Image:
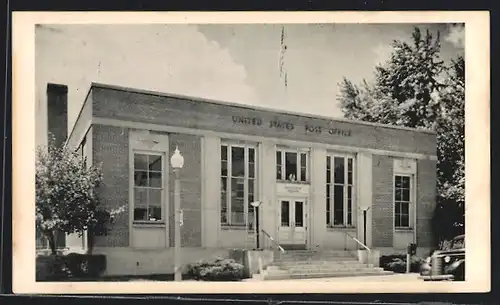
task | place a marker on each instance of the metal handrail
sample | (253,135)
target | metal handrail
(273,241)
(359,242)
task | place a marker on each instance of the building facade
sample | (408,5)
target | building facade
(317,179)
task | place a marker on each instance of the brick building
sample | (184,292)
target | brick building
(314,177)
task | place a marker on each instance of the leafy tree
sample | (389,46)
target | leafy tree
(415,88)
(66,197)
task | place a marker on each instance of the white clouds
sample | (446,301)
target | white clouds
(174,59)
(456,35)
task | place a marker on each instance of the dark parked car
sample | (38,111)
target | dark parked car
(447,263)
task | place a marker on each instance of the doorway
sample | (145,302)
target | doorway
(292,231)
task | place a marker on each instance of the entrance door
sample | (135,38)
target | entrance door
(292,219)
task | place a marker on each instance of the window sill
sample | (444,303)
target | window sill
(340,227)
(235,227)
(148,224)
(402,229)
(293,182)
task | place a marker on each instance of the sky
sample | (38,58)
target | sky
(234,63)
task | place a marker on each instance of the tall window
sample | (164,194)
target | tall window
(148,187)
(237,184)
(402,201)
(291,166)
(339,190)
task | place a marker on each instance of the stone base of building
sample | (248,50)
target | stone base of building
(129,261)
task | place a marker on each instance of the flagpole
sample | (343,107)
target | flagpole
(283,74)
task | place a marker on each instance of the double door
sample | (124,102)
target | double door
(292,221)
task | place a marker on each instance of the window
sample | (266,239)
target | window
(402,188)
(148,187)
(83,147)
(291,166)
(238,184)
(339,190)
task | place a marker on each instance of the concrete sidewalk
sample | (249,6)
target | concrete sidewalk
(397,277)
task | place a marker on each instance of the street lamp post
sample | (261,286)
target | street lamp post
(177,161)
(255,205)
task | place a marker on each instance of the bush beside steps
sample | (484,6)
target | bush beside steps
(397,263)
(222,269)
(73,265)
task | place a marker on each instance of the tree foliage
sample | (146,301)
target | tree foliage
(66,196)
(415,88)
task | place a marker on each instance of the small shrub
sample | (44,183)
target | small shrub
(397,263)
(222,269)
(85,265)
(73,265)
(51,268)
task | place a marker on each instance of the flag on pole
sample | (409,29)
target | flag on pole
(283,47)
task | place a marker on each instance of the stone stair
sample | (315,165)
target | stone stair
(303,264)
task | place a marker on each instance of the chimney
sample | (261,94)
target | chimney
(57,112)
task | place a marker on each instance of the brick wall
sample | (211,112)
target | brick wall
(426,201)
(190,147)
(111,152)
(382,208)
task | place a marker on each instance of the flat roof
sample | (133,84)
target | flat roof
(250,107)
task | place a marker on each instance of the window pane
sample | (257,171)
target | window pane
(303,176)
(251,155)
(299,214)
(349,178)
(397,221)
(251,170)
(398,208)
(339,170)
(328,161)
(285,214)
(404,208)
(278,158)
(406,195)
(303,159)
(278,172)
(291,166)
(405,182)
(349,192)
(338,204)
(140,196)
(223,200)
(155,163)
(328,176)
(223,155)
(237,218)
(349,164)
(140,178)
(154,197)
(397,181)
(155,179)
(140,162)
(154,213)
(328,193)
(397,194)
(328,217)
(250,200)
(238,161)
(251,184)
(140,213)
(223,170)
(237,211)
(404,220)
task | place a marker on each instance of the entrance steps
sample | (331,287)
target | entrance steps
(304,264)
